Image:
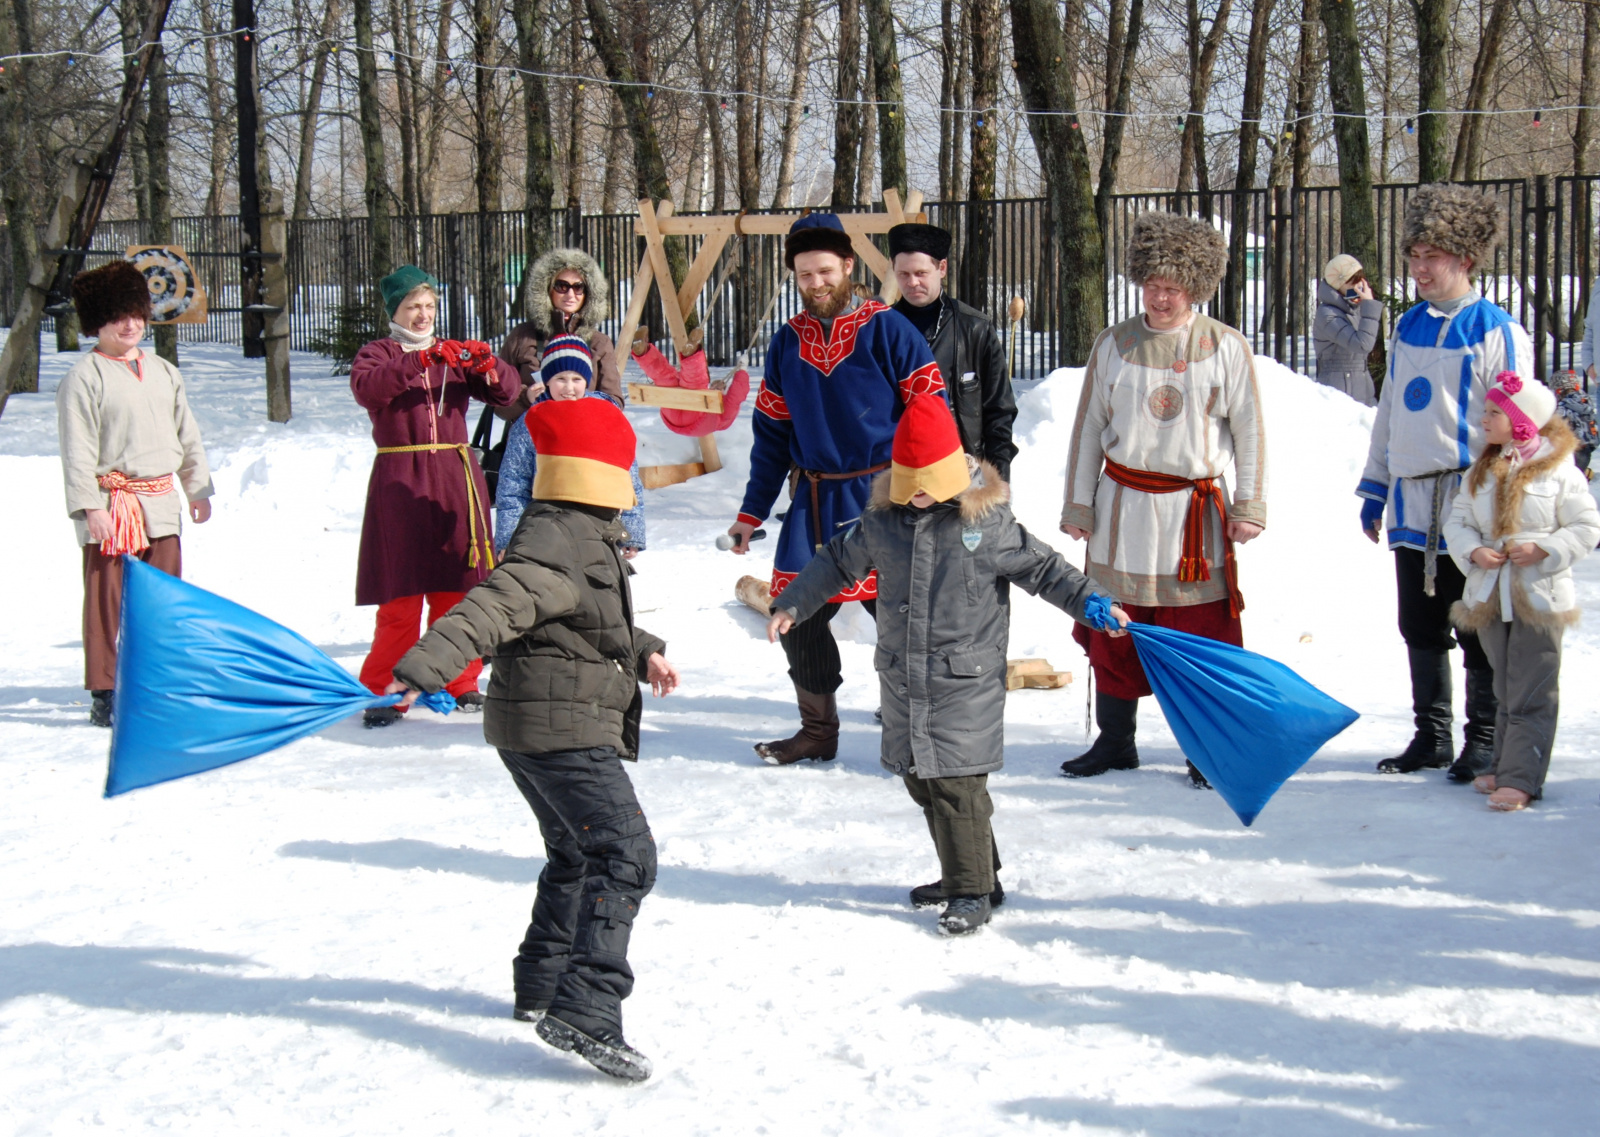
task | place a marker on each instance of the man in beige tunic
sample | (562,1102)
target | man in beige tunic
(128,441)
(1169,402)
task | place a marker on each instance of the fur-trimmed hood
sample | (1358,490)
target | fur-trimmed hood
(1457,219)
(1509,491)
(1190,253)
(596,309)
(987,491)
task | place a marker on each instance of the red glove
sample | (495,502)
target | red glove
(480,357)
(446,353)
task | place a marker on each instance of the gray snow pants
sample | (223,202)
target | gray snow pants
(1527,669)
(600,863)
(958,812)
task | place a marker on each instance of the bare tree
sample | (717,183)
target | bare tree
(890,94)
(1202,62)
(847,108)
(987,28)
(1119,96)
(313,109)
(376,183)
(1357,224)
(1588,87)
(21,215)
(794,114)
(1249,142)
(538,178)
(1434,19)
(1468,162)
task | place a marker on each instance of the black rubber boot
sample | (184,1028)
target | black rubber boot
(607,1051)
(381,716)
(1114,749)
(1196,778)
(1477,753)
(964,915)
(100,708)
(1430,705)
(470,703)
(819,732)
(932,895)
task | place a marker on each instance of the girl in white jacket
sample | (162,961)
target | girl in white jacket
(1523,518)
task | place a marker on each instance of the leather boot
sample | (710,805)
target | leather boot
(1430,706)
(819,732)
(1114,749)
(1477,752)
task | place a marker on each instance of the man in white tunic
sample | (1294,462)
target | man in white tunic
(1443,359)
(1169,403)
(128,443)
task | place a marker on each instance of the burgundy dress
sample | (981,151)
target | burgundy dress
(417,533)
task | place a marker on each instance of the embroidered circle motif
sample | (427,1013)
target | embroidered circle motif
(1419,393)
(1166,402)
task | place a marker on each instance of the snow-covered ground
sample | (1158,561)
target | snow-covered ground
(319,940)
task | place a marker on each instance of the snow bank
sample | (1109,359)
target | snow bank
(318,940)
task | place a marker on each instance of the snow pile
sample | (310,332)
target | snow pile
(319,940)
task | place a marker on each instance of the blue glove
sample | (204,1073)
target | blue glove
(439,702)
(1097,613)
(1371,514)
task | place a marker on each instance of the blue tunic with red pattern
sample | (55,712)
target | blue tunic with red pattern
(830,405)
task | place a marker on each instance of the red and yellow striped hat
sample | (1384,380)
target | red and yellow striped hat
(585,448)
(927,455)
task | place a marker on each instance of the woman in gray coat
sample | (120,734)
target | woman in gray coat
(1346,328)
(946,548)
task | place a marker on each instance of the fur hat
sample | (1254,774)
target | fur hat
(1528,405)
(585,448)
(1457,219)
(1338,271)
(1191,254)
(108,293)
(912,237)
(816,232)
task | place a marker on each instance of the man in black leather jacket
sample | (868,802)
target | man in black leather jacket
(964,341)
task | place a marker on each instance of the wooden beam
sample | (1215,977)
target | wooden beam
(657,253)
(708,401)
(709,458)
(636,302)
(659,477)
(699,272)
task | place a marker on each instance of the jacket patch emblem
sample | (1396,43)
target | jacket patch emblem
(972,538)
(1166,402)
(1418,394)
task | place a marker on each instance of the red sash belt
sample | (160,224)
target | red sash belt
(127,519)
(1192,565)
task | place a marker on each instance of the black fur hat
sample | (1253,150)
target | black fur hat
(108,293)
(817,232)
(914,237)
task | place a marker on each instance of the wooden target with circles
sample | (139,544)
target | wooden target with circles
(176,294)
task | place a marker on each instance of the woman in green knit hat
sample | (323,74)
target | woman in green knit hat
(426,534)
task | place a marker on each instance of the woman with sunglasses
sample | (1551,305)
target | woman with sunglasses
(567,296)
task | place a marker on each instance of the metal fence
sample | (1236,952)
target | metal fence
(1542,273)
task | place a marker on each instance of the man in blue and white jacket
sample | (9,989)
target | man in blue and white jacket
(1443,359)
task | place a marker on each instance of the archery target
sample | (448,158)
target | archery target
(176,295)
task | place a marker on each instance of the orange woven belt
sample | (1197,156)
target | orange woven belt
(127,519)
(1192,565)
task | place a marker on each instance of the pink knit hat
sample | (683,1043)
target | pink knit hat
(1528,405)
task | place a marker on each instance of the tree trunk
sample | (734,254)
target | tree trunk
(428,181)
(1588,88)
(216,109)
(489,153)
(1064,159)
(575,137)
(1116,35)
(747,137)
(1202,62)
(1121,97)
(1255,76)
(15,187)
(616,158)
(948,122)
(804,22)
(1347,93)
(404,88)
(713,105)
(1310,62)
(538,182)
(1468,162)
(308,125)
(157,138)
(138,149)
(376,187)
(649,167)
(846,108)
(867,160)
(978,250)
(1434,18)
(890,93)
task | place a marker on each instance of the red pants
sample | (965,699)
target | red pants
(1116,661)
(102,605)
(399,628)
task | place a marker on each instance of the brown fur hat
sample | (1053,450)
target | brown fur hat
(108,293)
(1457,219)
(1189,253)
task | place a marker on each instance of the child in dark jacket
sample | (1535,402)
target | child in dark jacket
(563,709)
(945,547)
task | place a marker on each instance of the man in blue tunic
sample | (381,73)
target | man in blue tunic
(1444,357)
(837,378)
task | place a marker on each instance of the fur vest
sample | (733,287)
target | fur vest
(1545,500)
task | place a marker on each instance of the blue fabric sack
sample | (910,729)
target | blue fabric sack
(203,682)
(1248,722)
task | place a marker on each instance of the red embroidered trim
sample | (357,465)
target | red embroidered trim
(746,519)
(772,405)
(817,350)
(866,590)
(925,380)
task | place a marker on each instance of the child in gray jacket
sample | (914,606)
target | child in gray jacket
(945,547)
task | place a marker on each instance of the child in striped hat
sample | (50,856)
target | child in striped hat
(567,371)
(945,545)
